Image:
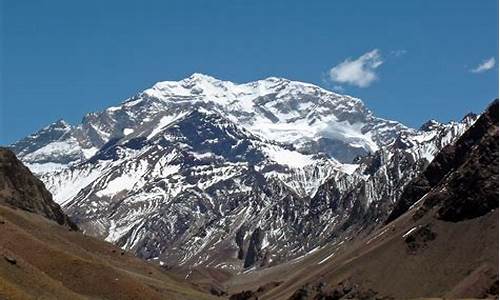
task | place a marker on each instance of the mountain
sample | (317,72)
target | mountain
(44,256)
(204,172)
(441,240)
(314,119)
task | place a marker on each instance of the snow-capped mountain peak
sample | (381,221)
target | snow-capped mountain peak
(189,169)
(282,110)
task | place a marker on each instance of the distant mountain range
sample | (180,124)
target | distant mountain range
(208,173)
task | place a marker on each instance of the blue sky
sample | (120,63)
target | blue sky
(408,60)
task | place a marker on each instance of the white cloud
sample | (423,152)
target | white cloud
(359,72)
(484,66)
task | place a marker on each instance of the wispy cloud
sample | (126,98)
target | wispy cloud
(485,66)
(398,52)
(359,72)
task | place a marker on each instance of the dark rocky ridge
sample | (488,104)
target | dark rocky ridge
(21,189)
(463,177)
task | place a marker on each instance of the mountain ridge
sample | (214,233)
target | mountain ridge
(239,99)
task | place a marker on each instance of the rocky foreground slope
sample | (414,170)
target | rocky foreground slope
(43,256)
(19,188)
(204,172)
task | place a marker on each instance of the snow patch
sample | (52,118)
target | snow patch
(40,169)
(326,258)
(409,232)
(164,122)
(287,157)
(127,131)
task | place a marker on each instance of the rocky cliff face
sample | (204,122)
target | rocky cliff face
(21,189)
(232,176)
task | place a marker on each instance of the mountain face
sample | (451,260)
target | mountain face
(440,241)
(231,176)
